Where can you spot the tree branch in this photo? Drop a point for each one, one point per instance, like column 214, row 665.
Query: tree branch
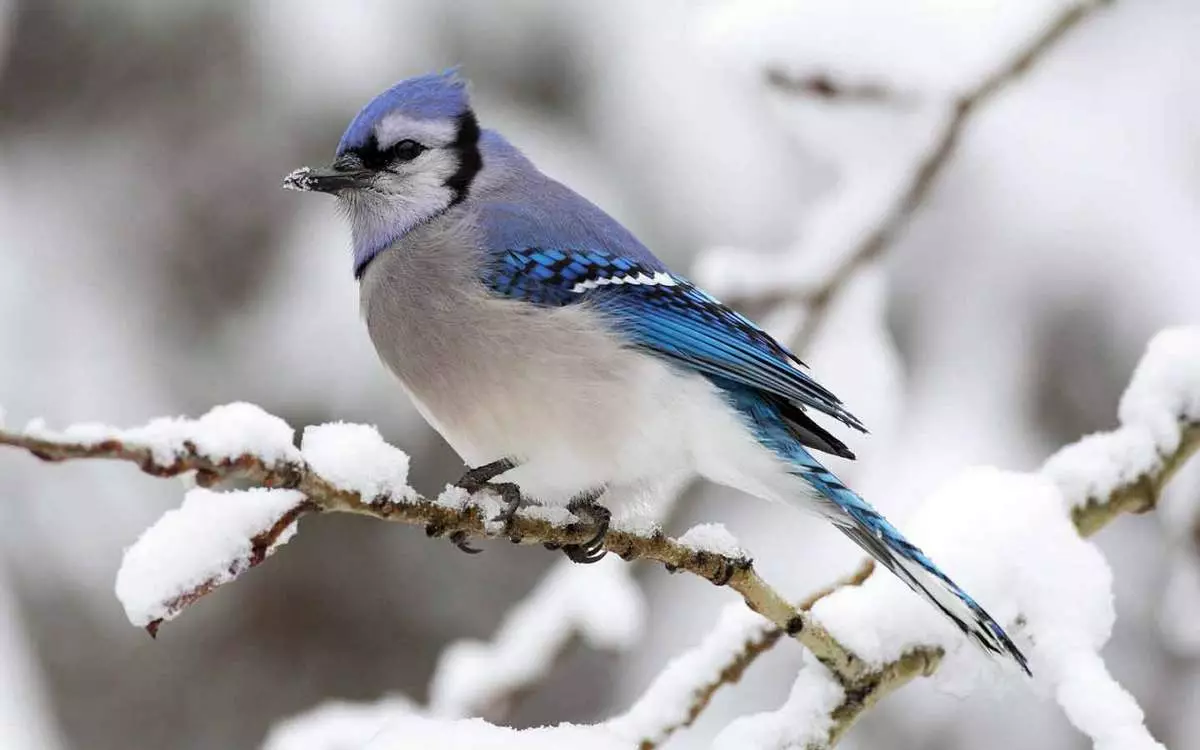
column 441, row 517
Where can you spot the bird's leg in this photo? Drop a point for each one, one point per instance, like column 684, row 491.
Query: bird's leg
column 480, row 478
column 586, row 507
column 511, row 495
column 477, row 478
column 473, row 481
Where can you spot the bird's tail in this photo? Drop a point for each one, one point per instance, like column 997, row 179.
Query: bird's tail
column 871, row 531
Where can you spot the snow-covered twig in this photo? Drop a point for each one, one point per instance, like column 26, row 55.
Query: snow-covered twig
column 681, row 692
column 349, row 469
column 873, row 240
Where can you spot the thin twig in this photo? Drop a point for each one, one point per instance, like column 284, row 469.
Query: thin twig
column 754, row 647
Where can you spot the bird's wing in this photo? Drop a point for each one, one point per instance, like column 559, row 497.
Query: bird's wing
column 665, row 314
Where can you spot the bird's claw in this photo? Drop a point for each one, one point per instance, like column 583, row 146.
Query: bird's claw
column 593, row 549
column 480, row 478
column 459, row 539
column 511, row 495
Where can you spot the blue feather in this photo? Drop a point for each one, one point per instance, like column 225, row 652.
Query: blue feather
column 857, row 519
column 434, row 96
column 672, row 319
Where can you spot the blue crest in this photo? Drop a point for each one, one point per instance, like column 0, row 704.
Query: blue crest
column 433, row 96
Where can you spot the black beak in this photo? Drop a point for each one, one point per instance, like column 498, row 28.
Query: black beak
column 333, row 179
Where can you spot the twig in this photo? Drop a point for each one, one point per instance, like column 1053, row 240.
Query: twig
column 825, row 87
column 757, row 644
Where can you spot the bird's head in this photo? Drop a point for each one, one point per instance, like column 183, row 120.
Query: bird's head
column 408, row 156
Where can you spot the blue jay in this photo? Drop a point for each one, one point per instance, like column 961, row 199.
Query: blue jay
column 552, row 349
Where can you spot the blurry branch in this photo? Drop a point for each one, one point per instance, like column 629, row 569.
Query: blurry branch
column 463, row 521
column 755, row 645
column 824, row 87
column 818, row 298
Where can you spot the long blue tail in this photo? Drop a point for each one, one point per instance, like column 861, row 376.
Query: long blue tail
column 786, row 432
column 883, row 541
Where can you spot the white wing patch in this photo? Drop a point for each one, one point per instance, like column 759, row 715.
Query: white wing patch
column 658, row 279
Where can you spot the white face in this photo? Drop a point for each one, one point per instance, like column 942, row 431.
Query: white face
column 410, row 162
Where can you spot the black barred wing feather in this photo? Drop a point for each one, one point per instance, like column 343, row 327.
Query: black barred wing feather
column 667, row 315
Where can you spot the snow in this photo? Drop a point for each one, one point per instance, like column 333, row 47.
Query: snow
column 225, row 432
column 555, row 515
column 355, row 458
column 599, row 603
column 1165, row 386
column 206, row 540
column 803, row 721
column 337, row 725
column 714, row 538
column 1092, row 467
column 1164, row 389
column 485, row 501
column 668, row 700
column 638, row 524
column 395, row 723
column 410, row 732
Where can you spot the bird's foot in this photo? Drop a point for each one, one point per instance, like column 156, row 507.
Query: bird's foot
column 457, row 538
column 480, row 478
column 513, row 501
column 477, row 478
column 586, row 507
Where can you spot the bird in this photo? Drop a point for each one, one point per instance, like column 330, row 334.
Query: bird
column 561, row 359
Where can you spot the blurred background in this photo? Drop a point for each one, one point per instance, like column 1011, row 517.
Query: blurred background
column 150, row 265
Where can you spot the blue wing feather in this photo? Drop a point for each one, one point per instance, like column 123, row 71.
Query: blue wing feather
column 671, row 318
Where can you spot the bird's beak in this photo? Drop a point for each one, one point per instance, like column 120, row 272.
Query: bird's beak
column 330, row 179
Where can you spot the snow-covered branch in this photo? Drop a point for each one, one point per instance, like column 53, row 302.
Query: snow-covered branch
column 345, row 469
column 1017, row 539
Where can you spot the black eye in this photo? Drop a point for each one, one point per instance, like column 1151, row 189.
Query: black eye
column 406, row 150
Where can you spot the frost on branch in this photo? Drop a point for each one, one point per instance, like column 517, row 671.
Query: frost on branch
column 210, row 540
